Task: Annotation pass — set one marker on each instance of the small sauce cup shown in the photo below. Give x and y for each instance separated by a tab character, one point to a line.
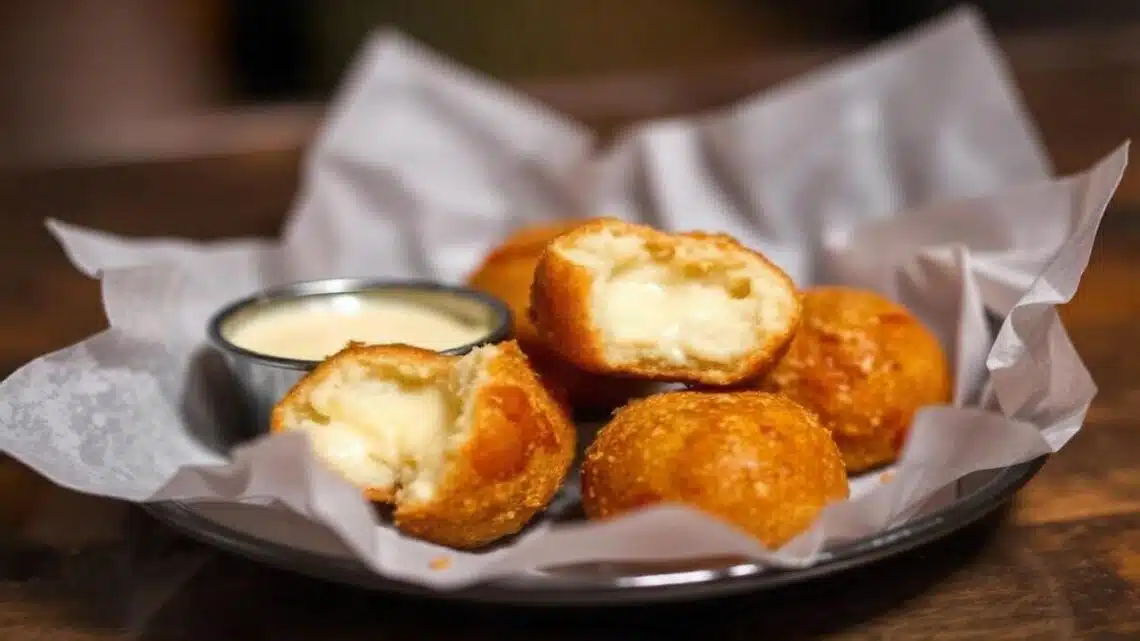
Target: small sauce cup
264	378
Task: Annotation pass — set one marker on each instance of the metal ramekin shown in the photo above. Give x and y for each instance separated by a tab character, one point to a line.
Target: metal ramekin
263	379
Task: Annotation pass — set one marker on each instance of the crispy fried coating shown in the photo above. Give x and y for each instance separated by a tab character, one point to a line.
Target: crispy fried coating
628	300
756	460
467	449
507	273
508	270
865	365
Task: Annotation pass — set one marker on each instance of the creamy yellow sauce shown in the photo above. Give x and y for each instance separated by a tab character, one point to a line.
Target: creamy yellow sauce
315	329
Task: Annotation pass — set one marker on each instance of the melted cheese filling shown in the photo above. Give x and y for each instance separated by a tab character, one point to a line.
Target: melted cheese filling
389	430
677	306
641	308
392	427
383	433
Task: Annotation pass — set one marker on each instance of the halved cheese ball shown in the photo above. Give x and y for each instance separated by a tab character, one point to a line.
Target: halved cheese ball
468	449
507	273
756	460
624	299
865	365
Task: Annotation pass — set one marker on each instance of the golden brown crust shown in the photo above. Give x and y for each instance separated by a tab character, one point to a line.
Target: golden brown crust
560	309
507	273
865	364
757	460
520	447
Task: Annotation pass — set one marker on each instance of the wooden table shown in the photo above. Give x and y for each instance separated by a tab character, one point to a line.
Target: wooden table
1063	562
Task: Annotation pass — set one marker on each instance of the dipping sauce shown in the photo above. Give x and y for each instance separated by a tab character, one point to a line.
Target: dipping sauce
317	327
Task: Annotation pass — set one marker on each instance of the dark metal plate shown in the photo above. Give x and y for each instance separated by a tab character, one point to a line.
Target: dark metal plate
228	527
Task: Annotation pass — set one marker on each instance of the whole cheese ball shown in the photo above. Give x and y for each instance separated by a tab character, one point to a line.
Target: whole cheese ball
865	365
753	459
507	273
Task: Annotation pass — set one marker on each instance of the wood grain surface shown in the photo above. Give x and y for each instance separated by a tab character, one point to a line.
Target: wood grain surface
1062	562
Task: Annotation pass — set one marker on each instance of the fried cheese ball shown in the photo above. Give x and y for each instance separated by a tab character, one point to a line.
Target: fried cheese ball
507	273
756	460
624	299
865	365
467	448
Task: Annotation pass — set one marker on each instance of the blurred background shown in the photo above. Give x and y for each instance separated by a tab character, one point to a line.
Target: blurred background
90	80
189	118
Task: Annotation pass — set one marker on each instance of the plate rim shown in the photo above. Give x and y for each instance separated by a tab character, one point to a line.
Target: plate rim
539	589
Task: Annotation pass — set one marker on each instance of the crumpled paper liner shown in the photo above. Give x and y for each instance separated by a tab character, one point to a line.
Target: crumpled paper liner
912	169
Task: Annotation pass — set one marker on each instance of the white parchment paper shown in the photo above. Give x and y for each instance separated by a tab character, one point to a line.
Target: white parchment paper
912	169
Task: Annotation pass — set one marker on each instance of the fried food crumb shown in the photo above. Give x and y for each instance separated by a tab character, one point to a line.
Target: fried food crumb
440	563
